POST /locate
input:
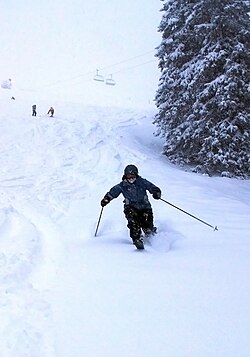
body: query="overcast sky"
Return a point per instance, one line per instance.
(53, 48)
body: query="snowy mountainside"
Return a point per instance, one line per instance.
(67, 293)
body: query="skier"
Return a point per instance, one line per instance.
(137, 208)
(51, 111)
(34, 110)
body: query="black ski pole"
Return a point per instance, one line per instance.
(98, 222)
(215, 228)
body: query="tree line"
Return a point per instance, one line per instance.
(203, 96)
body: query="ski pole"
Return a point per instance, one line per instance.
(215, 228)
(98, 222)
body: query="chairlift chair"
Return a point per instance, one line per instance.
(98, 77)
(110, 81)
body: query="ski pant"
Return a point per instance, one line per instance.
(139, 219)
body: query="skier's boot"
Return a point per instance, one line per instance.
(150, 232)
(138, 243)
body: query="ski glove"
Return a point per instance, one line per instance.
(157, 195)
(105, 201)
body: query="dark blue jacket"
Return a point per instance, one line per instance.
(134, 193)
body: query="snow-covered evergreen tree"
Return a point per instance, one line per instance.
(203, 98)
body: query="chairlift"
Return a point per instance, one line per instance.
(98, 77)
(110, 81)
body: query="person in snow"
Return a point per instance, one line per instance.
(137, 208)
(34, 110)
(51, 111)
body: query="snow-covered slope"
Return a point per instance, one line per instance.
(67, 293)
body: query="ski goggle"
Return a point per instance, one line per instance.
(130, 176)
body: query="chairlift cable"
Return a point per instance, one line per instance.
(138, 65)
(129, 59)
(67, 80)
(122, 70)
(92, 72)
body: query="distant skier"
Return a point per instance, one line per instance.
(137, 208)
(34, 110)
(51, 111)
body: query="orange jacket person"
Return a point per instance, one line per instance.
(51, 111)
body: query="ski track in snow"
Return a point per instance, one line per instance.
(52, 170)
(37, 189)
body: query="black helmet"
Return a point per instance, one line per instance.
(131, 169)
